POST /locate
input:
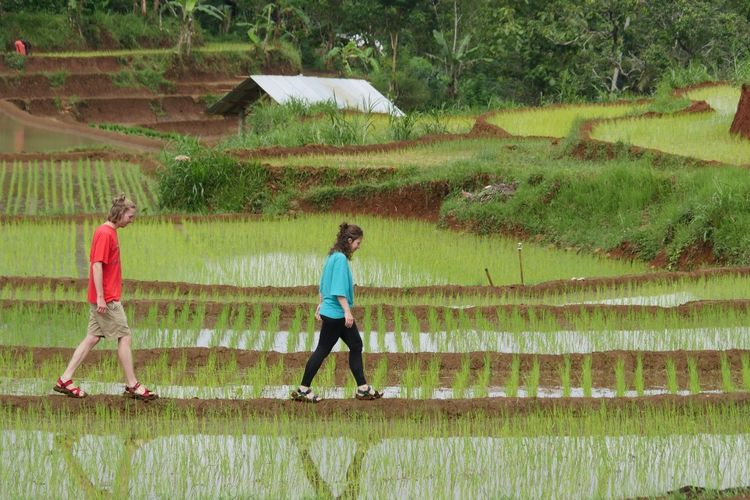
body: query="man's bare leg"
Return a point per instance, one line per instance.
(125, 355)
(79, 355)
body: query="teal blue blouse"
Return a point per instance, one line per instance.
(336, 281)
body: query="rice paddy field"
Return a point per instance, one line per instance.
(574, 375)
(696, 135)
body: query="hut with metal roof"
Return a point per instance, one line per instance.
(344, 92)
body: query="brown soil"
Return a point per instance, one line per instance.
(380, 409)
(708, 364)
(741, 123)
(421, 202)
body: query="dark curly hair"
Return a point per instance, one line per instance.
(342, 244)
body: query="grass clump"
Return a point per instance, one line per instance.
(208, 181)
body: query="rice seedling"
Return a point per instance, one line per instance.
(620, 385)
(726, 374)
(380, 373)
(531, 380)
(397, 330)
(565, 376)
(693, 378)
(671, 375)
(482, 382)
(678, 135)
(511, 385)
(461, 380)
(638, 380)
(411, 381)
(431, 378)
(746, 371)
(586, 378)
(556, 121)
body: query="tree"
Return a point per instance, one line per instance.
(454, 55)
(187, 10)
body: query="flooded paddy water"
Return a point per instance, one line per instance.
(202, 465)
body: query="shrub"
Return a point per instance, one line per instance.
(212, 182)
(15, 61)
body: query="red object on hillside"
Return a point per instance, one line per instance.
(20, 47)
(741, 122)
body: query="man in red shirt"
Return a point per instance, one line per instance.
(107, 317)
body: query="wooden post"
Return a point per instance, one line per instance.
(520, 261)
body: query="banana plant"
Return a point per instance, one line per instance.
(351, 52)
(185, 10)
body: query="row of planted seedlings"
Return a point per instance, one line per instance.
(51, 187)
(218, 373)
(452, 359)
(596, 452)
(288, 327)
(658, 289)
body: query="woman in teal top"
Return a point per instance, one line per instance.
(334, 309)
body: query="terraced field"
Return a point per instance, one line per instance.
(574, 374)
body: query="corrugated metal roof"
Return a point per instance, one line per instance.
(346, 93)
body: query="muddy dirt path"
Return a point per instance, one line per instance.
(379, 409)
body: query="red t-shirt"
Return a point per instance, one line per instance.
(20, 47)
(105, 249)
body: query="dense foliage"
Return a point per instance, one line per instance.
(428, 52)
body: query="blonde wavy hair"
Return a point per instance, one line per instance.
(120, 205)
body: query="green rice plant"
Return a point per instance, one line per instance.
(294, 330)
(310, 329)
(482, 382)
(238, 326)
(272, 327)
(397, 330)
(433, 322)
(255, 326)
(556, 121)
(565, 376)
(671, 374)
(431, 378)
(586, 377)
(182, 321)
(511, 385)
(531, 380)
(620, 385)
(326, 375)
(693, 378)
(380, 373)
(726, 374)
(257, 375)
(381, 329)
(168, 321)
(745, 360)
(676, 134)
(638, 380)
(367, 326)
(461, 379)
(411, 381)
(415, 329)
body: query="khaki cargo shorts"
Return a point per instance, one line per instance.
(111, 324)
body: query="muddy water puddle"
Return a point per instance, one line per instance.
(16, 137)
(42, 464)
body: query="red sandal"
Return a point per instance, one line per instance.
(65, 388)
(146, 396)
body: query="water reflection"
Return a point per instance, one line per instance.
(16, 137)
(45, 464)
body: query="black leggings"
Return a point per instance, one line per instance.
(331, 331)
